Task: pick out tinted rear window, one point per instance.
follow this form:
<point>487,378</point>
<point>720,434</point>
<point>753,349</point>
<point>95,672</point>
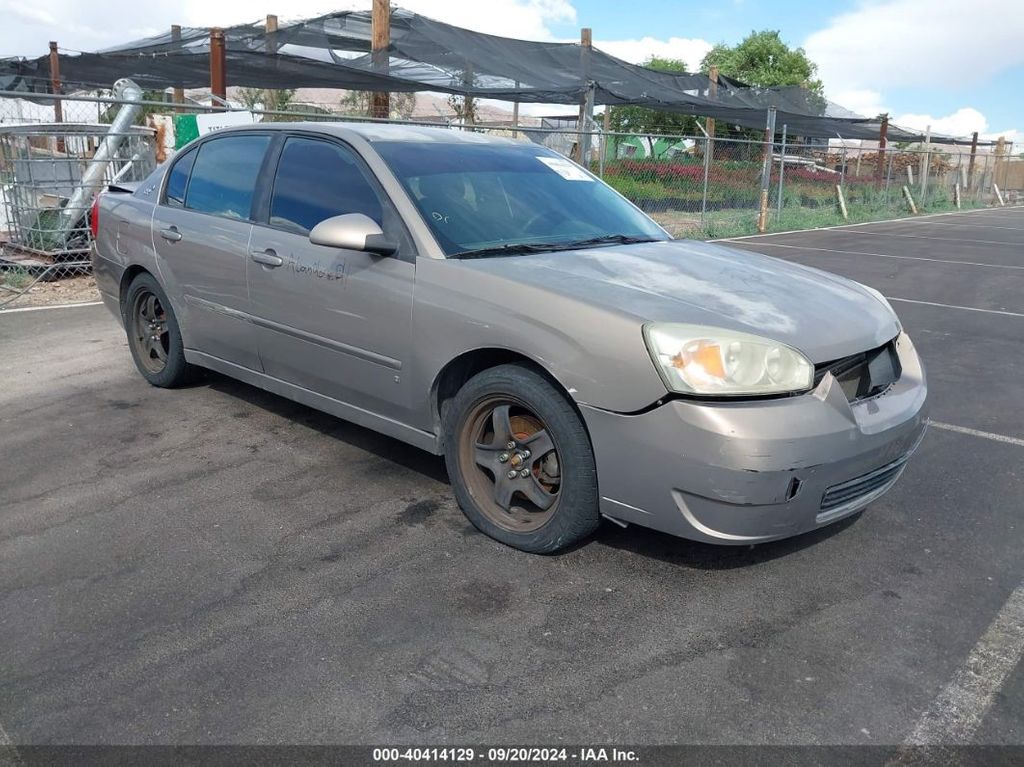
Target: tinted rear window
<point>224,176</point>
<point>177,179</point>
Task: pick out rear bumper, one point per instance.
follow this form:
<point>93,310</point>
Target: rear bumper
<point>749,472</point>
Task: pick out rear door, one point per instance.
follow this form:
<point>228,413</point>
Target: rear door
<point>331,320</point>
<point>201,234</point>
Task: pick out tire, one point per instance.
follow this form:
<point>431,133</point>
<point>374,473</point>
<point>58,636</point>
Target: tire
<point>551,445</point>
<point>154,337</point>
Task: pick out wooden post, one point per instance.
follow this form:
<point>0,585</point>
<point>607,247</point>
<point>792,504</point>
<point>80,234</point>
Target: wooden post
<point>380,22</point>
<point>270,99</point>
<point>178,94</point>
<point>998,164</point>
<point>910,200</point>
<point>587,99</point>
<point>766,171</point>
<point>58,107</point>
<point>709,123</point>
<point>970,165</point>
<point>842,202</point>
<point>218,66</point>
<point>883,139</point>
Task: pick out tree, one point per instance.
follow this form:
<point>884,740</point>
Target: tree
<point>401,105</point>
<point>764,60</point>
<point>266,99</point>
<point>644,120</point>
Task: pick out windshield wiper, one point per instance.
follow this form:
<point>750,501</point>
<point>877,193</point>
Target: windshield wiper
<point>523,248</point>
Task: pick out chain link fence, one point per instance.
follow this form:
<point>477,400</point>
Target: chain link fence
<point>694,186</point>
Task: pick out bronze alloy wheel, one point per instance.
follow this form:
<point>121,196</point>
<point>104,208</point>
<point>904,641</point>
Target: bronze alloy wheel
<point>510,464</point>
<point>148,331</point>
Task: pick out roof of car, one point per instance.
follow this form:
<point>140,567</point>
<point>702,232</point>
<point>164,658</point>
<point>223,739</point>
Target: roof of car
<point>371,131</point>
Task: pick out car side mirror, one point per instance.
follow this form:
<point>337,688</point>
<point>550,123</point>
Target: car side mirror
<point>352,231</point>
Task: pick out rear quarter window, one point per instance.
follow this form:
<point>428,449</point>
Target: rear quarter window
<point>177,179</point>
<point>224,175</point>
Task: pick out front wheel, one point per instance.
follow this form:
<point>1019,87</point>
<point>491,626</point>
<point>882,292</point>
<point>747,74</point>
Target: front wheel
<point>153,334</point>
<point>520,460</point>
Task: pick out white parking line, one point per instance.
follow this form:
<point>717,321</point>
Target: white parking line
<point>889,255</point>
<point>958,214</point>
<point>954,306</point>
<point>940,239</point>
<point>958,711</point>
<point>53,306</point>
<point>958,225</point>
<point>977,433</point>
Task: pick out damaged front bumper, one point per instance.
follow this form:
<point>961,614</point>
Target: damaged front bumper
<point>753,471</point>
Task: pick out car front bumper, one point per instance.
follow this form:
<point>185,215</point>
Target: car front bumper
<point>747,472</point>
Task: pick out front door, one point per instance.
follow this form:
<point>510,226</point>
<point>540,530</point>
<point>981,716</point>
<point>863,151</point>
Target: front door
<point>330,320</point>
<point>201,234</point>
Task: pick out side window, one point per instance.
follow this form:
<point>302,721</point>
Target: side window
<point>177,179</point>
<point>316,180</point>
<point>224,175</point>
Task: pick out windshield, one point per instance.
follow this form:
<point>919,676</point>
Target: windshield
<point>496,199</point>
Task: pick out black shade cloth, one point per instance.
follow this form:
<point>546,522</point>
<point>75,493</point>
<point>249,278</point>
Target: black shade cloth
<point>333,51</point>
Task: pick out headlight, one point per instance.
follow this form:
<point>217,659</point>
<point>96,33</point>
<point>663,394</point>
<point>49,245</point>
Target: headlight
<point>699,360</point>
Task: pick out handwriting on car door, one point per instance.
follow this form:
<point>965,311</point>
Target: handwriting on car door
<point>317,270</point>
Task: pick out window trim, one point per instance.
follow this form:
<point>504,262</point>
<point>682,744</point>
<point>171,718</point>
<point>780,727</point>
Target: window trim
<point>196,146</point>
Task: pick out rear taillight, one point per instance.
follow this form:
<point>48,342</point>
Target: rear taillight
<point>94,217</point>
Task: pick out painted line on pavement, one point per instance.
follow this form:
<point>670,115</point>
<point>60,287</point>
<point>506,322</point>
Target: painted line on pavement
<point>889,255</point>
<point>954,306</point>
<point>977,433</point>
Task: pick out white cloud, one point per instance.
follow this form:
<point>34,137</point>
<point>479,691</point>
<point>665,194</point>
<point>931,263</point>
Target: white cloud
<point>688,49</point>
<point>899,43</point>
<point>906,44</point>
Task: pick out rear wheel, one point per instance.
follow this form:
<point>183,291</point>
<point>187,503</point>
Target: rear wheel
<point>153,334</point>
<point>520,460</point>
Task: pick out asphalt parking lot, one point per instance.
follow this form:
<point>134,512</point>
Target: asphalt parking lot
<point>219,565</point>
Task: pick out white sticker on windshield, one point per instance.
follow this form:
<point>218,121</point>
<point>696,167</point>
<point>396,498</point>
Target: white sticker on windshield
<point>566,169</point>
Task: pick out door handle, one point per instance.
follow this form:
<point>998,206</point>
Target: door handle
<point>171,234</point>
<point>266,257</point>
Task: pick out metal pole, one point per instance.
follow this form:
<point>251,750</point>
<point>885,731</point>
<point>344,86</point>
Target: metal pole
<point>888,176</point>
<point>926,161</point>
<point>218,76</point>
<point>842,169</point>
<point>782,171</point>
<point>970,165</point>
<point>380,32</point>
<point>707,170</point>
<point>515,115</point>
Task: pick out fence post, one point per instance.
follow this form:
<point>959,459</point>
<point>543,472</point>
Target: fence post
<point>178,94</point>
<point>782,171</point>
<point>974,154</point>
<point>218,76</point>
<point>926,161</point>
<point>380,32</point>
<point>883,134</point>
<point>888,174</point>
<point>586,117</point>
<point>58,108</point>
<point>766,171</point>
<point>842,168</point>
<point>708,148</point>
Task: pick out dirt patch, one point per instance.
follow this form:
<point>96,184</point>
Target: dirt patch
<point>71,290</point>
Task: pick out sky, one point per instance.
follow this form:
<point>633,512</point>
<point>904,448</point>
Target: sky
<point>958,67</point>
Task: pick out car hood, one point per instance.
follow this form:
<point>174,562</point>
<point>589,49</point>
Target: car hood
<point>823,315</point>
